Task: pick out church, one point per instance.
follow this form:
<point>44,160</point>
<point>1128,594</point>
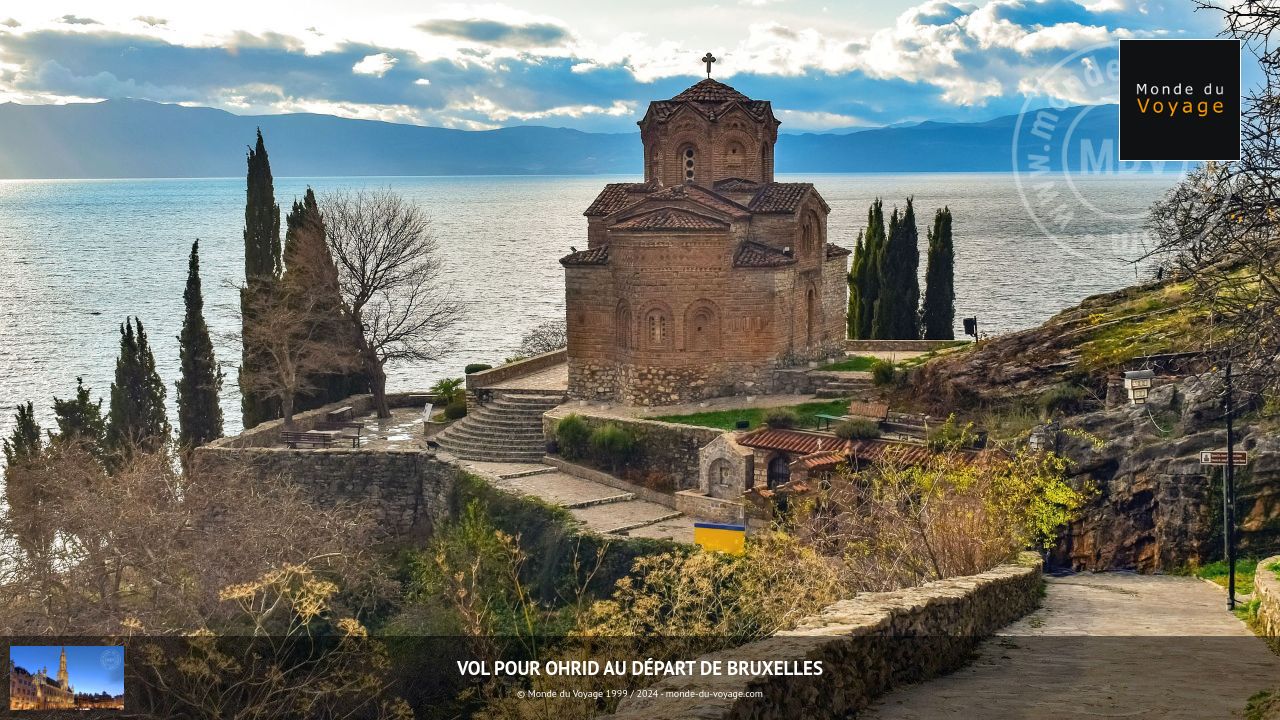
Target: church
<point>708,277</point>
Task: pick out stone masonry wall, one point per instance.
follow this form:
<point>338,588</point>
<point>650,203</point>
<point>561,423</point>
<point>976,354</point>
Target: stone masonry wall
<point>1266,587</point>
<point>670,450</point>
<point>409,490</point>
<point>868,645</point>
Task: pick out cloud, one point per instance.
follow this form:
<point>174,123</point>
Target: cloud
<point>10,23</point>
<point>151,20</point>
<point>498,33</point>
<point>77,20</point>
<point>376,65</point>
<point>940,59</point>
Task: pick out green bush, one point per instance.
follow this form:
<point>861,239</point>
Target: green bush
<point>781,418</point>
<point>457,408</point>
<point>447,390</point>
<point>951,435</point>
<point>883,372</point>
<point>857,429</point>
<point>611,444</point>
<point>1063,399</point>
<point>475,368</point>
<point>572,435</point>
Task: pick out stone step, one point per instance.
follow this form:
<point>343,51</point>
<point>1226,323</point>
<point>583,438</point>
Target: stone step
<point>488,432</point>
<point>487,455</point>
<point>489,417</point>
<point>480,443</point>
<point>529,400</point>
<point>545,470</point>
<point>623,516</point>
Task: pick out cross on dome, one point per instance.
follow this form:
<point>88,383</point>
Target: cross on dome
<point>708,59</point>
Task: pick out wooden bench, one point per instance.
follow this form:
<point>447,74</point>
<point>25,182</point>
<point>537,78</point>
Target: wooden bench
<point>343,427</point>
<point>293,438</point>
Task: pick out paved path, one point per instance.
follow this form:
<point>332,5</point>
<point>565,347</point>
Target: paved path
<point>604,509</point>
<point>1107,645</point>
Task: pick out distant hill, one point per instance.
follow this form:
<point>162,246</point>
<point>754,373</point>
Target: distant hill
<point>136,138</point>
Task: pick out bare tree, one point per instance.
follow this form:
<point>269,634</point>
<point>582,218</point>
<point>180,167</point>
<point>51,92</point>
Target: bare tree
<point>390,276</point>
<point>547,337</point>
<point>1220,227</point>
<point>298,341</point>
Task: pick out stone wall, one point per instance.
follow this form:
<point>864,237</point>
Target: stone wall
<point>868,645</point>
<point>517,369</point>
<point>895,345</point>
<point>669,450</point>
<point>1266,588</point>
<point>267,434</point>
<point>408,490</point>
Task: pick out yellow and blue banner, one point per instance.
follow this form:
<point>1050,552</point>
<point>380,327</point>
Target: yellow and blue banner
<point>731,539</point>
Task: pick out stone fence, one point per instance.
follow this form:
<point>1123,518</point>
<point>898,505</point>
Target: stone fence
<point>669,450</point>
<point>408,490</point>
<point>267,434</point>
<point>896,345</point>
<point>517,369</point>
<point>1266,588</point>
<point>867,645</point>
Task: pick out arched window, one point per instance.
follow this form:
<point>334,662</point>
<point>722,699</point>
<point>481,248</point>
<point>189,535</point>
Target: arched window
<point>735,155</point>
<point>623,327</point>
<point>810,314</point>
<point>779,471</point>
<point>701,327</point>
<point>810,233</point>
<point>657,328</point>
<point>689,158</point>
<point>720,473</point>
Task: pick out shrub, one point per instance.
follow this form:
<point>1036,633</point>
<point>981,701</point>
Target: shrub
<point>857,429</point>
<point>476,367</point>
<point>1063,399</point>
<point>611,444</point>
<point>447,390</point>
<point>951,435</point>
<point>457,408</point>
<point>883,372</point>
<point>781,418</point>
<point>572,435</point>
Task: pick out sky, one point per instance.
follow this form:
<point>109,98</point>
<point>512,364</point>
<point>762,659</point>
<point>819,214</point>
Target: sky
<point>825,64</point>
<point>91,669</point>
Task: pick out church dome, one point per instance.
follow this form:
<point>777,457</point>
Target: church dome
<point>708,90</point>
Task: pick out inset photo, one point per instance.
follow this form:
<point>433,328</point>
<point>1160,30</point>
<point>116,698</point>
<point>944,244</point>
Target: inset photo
<point>66,677</point>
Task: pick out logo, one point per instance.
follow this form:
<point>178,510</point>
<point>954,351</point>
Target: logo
<point>1180,99</point>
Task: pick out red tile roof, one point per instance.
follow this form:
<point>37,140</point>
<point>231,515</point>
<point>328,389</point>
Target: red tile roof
<point>617,196</point>
<point>700,195</point>
<point>835,251</point>
<point>759,255</point>
<point>797,442</point>
<point>671,219</point>
<point>594,256</point>
<point>779,197</point>
<point>709,90</point>
<point>825,460</point>
<point>736,185</point>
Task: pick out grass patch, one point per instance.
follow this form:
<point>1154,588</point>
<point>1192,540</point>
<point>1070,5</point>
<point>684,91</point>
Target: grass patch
<point>806,414</point>
<point>856,363</point>
<point>1216,573</point>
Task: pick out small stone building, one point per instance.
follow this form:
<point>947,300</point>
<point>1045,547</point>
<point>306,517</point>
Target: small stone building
<point>707,276</point>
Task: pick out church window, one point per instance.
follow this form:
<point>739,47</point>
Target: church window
<point>658,329</point>
<point>624,328</point>
<point>702,330</point>
<point>689,158</point>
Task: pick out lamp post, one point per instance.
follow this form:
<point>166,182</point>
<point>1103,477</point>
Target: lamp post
<point>1229,494</point>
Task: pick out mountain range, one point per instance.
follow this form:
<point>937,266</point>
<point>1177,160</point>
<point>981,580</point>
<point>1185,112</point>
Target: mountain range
<point>138,138</point>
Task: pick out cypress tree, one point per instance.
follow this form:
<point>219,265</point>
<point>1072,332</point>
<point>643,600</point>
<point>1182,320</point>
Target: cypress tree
<point>80,420</point>
<point>897,306</point>
<point>261,266</point>
<point>26,495</point>
<point>137,416</point>
<point>851,317</point>
<point>939,311</point>
<point>25,443</point>
<point>866,271</point>
<point>309,269</point>
<point>199,415</point>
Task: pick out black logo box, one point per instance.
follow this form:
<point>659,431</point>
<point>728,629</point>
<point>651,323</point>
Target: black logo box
<point>1185,69</point>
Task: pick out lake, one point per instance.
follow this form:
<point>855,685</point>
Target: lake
<point>77,257</point>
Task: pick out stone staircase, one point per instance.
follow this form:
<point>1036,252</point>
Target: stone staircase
<point>506,429</point>
<point>844,384</point>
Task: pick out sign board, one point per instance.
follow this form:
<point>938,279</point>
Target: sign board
<point>1219,457</point>
<point>731,539</point>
